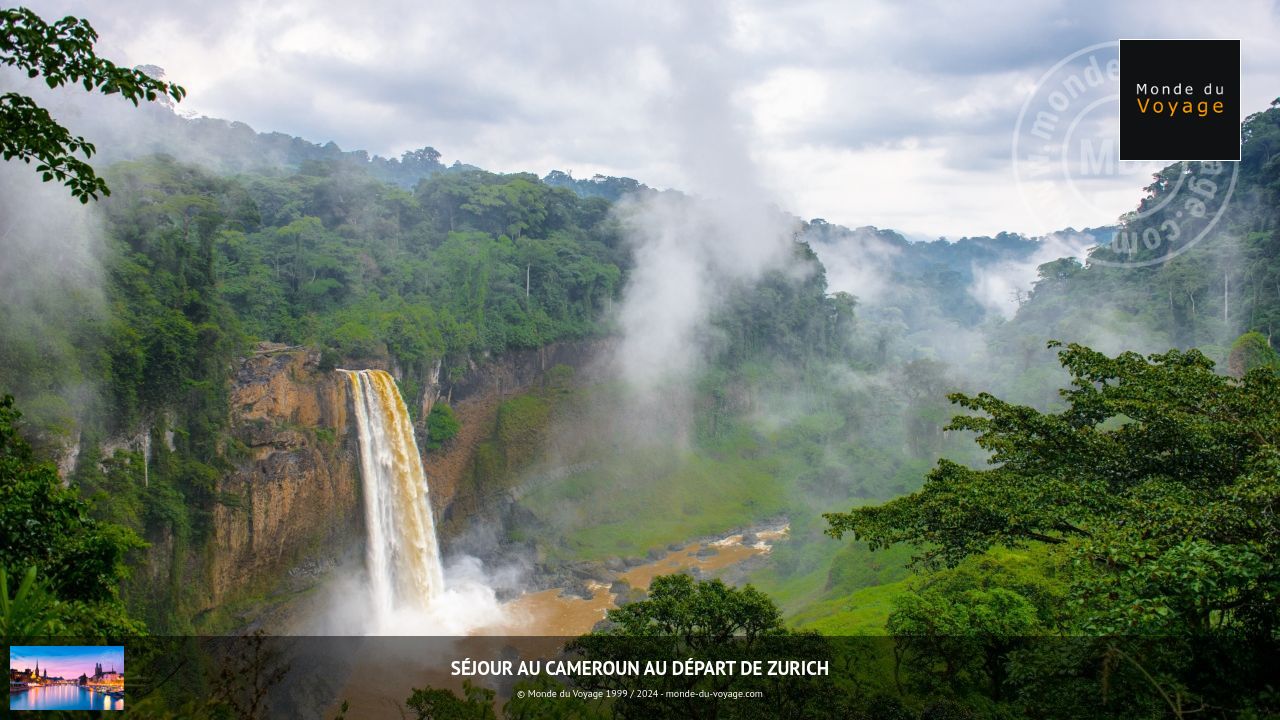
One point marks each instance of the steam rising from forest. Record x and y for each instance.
(50, 291)
(687, 250)
(1001, 286)
(51, 245)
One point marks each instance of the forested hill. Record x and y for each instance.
(124, 319)
(281, 239)
(1223, 286)
(199, 264)
(924, 282)
(229, 236)
(232, 147)
(123, 132)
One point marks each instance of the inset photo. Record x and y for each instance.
(70, 677)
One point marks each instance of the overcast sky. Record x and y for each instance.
(894, 114)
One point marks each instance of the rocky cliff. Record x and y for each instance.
(475, 398)
(295, 508)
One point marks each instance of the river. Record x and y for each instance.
(552, 613)
(63, 697)
(536, 625)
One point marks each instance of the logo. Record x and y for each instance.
(1066, 161)
(1180, 100)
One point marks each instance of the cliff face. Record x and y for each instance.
(476, 398)
(296, 507)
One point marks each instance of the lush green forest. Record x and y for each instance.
(200, 266)
(1024, 557)
(468, 263)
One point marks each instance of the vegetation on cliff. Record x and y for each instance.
(60, 569)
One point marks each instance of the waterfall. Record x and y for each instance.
(403, 557)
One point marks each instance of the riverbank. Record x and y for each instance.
(577, 607)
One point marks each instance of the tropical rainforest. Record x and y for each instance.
(1066, 510)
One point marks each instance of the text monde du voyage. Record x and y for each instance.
(1181, 99)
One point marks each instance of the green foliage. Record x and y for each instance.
(683, 619)
(113, 486)
(785, 315)
(47, 527)
(469, 262)
(770, 440)
(863, 612)
(30, 612)
(957, 628)
(430, 703)
(61, 53)
(1250, 351)
(663, 500)
(926, 385)
(522, 421)
(1157, 510)
(702, 615)
(328, 257)
(599, 186)
(442, 425)
(173, 336)
(854, 567)
(1213, 291)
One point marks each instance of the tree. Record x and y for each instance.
(430, 703)
(1153, 494)
(47, 527)
(702, 615)
(442, 425)
(957, 627)
(1157, 480)
(924, 384)
(30, 613)
(683, 619)
(1251, 350)
(62, 53)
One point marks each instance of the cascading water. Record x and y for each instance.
(403, 557)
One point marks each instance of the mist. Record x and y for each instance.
(51, 289)
(688, 250)
(861, 264)
(473, 601)
(1001, 286)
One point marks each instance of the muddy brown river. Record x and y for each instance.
(536, 626)
(551, 613)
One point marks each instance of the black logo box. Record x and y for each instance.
(1155, 74)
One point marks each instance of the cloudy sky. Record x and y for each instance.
(894, 114)
(66, 661)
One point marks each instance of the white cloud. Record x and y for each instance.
(892, 114)
(999, 285)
